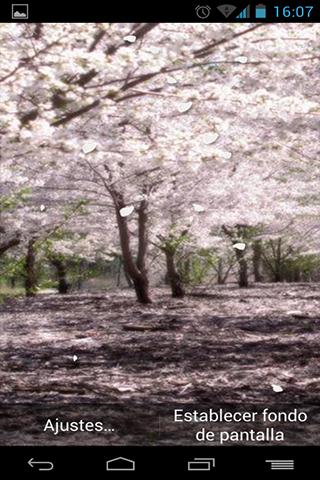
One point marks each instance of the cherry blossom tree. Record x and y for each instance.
(210, 127)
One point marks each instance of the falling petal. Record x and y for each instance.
(89, 147)
(239, 246)
(241, 59)
(172, 81)
(125, 389)
(126, 211)
(130, 38)
(209, 138)
(184, 107)
(276, 388)
(225, 155)
(75, 358)
(198, 208)
(42, 208)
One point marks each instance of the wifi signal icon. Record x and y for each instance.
(226, 10)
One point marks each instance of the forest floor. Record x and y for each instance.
(218, 346)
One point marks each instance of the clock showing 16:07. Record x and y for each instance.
(300, 11)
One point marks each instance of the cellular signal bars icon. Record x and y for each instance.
(245, 13)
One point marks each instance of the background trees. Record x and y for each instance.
(145, 137)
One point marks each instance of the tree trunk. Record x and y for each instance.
(297, 274)
(79, 282)
(135, 270)
(278, 274)
(80, 277)
(63, 286)
(141, 286)
(173, 276)
(243, 281)
(257, 257)
(220, 279)
(30, 273)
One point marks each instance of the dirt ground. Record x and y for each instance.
(215, 347)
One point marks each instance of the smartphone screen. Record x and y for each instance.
(159, 239)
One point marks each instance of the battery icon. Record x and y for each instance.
(261, 11)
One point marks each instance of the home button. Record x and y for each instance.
(121, 464)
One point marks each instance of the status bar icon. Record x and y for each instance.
(226, 9)
(203, 11)
(261, 11)
(20, 11)
(245, 13)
